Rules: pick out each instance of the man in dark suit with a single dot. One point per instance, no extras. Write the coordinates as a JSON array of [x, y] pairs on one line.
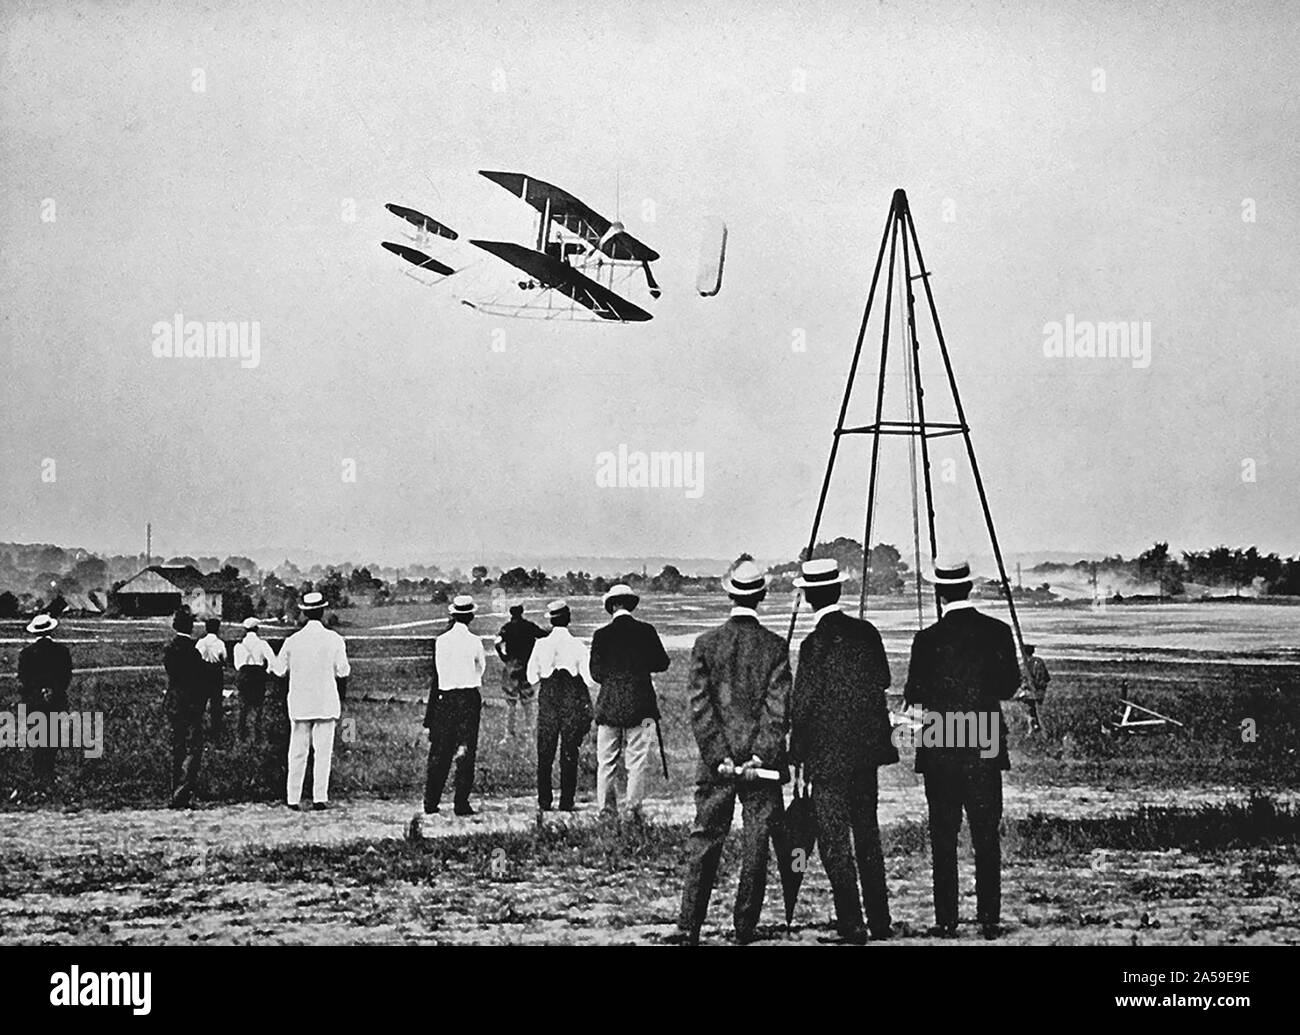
[[44, 674], [962, 668], [624, 654], [841, 736], [185, 703], [740, 689]]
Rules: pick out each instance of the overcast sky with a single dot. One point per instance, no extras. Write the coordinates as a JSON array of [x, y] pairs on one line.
[[1098, 162]]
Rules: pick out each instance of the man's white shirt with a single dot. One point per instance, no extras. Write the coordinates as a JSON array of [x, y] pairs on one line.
[[253, 650], [211, 648], [460, 659], [314, 657], [559, 649]]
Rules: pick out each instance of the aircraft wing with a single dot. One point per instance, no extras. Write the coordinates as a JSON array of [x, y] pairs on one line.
[[552, 273], [417, 258], [575, 216], [422, 222]]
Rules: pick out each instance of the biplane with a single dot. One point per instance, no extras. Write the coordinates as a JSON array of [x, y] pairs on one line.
[[578, 267]]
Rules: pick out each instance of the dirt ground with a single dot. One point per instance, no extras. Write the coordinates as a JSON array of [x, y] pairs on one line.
[[214, 828], [240, 874]]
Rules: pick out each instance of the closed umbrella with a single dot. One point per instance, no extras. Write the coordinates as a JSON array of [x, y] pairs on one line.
[[794, 836]]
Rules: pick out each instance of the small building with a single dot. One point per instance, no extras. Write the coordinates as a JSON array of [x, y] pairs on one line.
[[161, 589]]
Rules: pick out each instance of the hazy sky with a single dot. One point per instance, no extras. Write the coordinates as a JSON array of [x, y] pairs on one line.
[[1102, 162]]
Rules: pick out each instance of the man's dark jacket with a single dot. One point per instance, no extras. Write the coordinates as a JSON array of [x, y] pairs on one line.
[[623, 655], [187, 674], [740, 696], [965, 662], [841, 717], [518, 637], [45, 667]]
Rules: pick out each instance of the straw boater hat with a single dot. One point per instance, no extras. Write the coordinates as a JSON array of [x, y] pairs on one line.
[[824, 571], [312, 602], [557, 607], [42, 624], [251, 623], [621, 589], [744, 580], [950, 572], [462, 605]]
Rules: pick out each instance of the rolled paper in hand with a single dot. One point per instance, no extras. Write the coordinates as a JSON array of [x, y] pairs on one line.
[[748, 773]]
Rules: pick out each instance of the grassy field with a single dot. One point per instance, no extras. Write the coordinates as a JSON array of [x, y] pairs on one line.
[[381, 749], [1088, 858]]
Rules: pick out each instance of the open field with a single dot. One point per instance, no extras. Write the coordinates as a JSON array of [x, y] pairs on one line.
[[108, 865]]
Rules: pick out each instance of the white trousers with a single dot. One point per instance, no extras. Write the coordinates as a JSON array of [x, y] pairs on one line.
[[632, 746], [318, 736]]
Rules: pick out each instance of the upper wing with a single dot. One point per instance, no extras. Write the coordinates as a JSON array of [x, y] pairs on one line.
[[422, 222], [575, 216], [553, 273]]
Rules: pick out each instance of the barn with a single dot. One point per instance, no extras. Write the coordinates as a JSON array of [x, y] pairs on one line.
[[160, 589]]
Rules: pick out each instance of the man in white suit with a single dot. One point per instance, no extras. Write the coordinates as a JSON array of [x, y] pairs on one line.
[[316, 661]]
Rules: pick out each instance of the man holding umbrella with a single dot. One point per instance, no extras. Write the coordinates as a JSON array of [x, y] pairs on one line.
[[740, 689], [841, 735]]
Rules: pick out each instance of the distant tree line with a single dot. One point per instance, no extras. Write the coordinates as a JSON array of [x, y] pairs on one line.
[[1234, 568], [888, 571], [37, 577]]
